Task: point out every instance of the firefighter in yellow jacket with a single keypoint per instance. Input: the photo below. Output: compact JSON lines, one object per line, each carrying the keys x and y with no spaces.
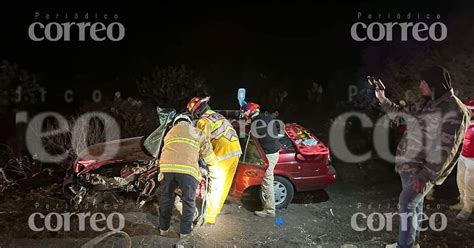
{"x":227,"y":149}
{"x":183,"y":146}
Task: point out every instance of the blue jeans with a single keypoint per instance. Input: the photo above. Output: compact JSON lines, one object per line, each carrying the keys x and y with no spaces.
{"x":411,"y":210}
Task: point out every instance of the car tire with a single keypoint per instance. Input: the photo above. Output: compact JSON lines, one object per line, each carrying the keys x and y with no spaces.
{"x":284,"y":192}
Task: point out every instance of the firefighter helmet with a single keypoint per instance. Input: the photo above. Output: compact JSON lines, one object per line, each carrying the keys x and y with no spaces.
{"x":197,"y":106}
{"x":182,"y":117}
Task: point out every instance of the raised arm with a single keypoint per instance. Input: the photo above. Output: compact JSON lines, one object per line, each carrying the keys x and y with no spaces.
{"x":394,"y":110}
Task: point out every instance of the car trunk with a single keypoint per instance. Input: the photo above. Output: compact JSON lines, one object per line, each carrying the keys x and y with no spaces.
{"x":307,"y":160}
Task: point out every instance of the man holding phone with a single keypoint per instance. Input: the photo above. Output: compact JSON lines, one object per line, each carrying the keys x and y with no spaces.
{"x":429,"y":149}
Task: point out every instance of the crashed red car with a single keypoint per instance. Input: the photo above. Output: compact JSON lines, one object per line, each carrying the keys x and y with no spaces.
{"x":301,"y":167}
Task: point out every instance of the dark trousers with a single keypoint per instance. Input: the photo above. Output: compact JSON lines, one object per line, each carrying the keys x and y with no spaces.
{"x":188,"y":185}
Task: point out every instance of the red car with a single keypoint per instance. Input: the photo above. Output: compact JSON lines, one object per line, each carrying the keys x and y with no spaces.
{"x":301,"y":167}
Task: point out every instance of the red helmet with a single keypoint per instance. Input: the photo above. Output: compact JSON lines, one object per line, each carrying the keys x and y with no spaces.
{"x":195,"y":104}
{"x":249,"y":109}
{"x":469,"y":104}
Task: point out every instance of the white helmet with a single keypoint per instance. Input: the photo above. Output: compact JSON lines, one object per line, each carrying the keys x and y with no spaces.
{"x":182,"y":117}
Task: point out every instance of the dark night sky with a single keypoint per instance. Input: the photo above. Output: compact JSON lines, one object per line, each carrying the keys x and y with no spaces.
{"x":304,"y":41}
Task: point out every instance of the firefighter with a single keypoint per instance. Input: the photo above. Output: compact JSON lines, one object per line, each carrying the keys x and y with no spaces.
{"x":183,"y":146}
{"x":268,"y":134}
{"x":226,"y":146}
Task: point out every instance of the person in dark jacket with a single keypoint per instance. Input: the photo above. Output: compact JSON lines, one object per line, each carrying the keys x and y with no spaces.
{"x":429,"y":149}
{"x":265,"y":128}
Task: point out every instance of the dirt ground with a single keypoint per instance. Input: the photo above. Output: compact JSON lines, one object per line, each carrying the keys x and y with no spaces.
{"x":320,"y":219}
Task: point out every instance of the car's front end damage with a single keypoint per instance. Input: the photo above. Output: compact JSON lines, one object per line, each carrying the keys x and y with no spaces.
{"x":125,"y":167}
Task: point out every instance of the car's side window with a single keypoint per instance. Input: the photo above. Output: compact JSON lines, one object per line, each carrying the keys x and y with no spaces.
{"x":251,"y":155}
{"x":286,"y":143}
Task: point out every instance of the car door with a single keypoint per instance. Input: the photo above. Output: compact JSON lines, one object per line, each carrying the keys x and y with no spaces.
{"x":287,"y":165}
{"x":251,"y":168}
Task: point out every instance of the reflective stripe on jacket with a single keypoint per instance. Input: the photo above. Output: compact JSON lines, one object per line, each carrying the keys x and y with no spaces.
{"x":183,"y":146}
{"x":223,"y":136}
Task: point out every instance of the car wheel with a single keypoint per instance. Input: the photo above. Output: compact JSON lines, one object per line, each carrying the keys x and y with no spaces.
{"x":283,"y":190}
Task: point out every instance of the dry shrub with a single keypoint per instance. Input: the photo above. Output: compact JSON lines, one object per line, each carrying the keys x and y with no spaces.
{"x":16,"y":167}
